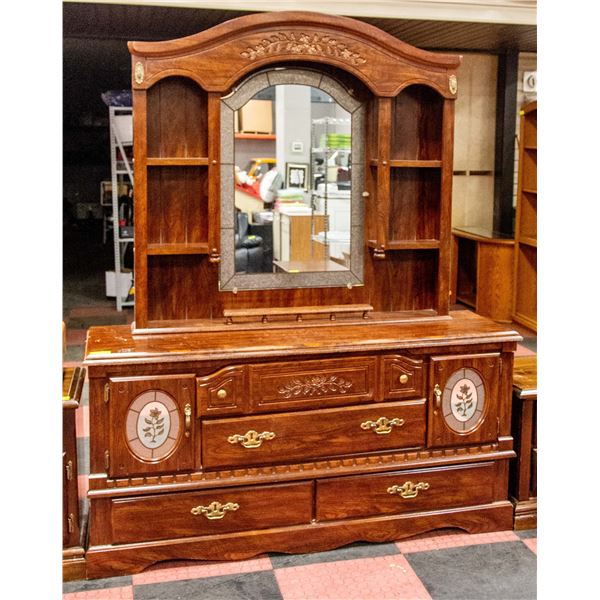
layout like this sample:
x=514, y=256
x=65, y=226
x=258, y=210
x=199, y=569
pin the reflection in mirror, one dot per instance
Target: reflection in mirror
x=292, y=190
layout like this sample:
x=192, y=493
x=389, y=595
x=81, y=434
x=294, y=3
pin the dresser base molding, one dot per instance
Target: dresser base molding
x=110, y=561
x=525, y=514
x=74, y=563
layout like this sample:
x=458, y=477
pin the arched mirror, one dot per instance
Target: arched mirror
x=291, y=183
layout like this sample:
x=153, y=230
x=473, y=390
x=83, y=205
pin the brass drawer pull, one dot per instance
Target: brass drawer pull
x=69, y=469
x=251, y=439
x=215, y=510
x=222, y=394
x=383, y=425
x=437, y=392
x=187, y=411
x=403, y=378
x=408, y=489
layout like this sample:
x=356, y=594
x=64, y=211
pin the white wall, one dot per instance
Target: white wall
x=474, y=141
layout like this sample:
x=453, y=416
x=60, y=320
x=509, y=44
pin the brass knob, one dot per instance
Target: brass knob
x=403, y=378
x=222, y=394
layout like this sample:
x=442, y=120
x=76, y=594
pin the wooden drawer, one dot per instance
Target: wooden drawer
x=417, y=490
x=167, y=516
x=312, y=383
x=290, y=437
x=403, y=377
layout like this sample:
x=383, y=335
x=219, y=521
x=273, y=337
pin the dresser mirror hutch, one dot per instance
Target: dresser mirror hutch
x=322, y=393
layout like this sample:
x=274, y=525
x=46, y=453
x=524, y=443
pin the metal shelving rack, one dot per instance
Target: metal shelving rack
x=121, y=137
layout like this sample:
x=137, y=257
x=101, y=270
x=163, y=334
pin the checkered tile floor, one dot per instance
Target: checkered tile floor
x=446, y=565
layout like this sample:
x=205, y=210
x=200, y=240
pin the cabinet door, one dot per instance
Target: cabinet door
x=152, y=425
x=464, y=399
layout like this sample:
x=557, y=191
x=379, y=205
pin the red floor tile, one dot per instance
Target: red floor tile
x=379, y=578
x=71, y=363
x=82, y=421
x=195, y=570
x=455, y=540
x=115, y=593
x=531, y=543
x=83, y=485
x=76, y=337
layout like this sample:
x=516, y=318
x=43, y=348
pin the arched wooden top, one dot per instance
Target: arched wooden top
x=218, y=57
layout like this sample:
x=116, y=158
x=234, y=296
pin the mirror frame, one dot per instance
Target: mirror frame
x=229, y=280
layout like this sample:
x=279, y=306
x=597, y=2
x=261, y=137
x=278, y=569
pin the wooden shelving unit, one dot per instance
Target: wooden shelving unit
x=525, y=273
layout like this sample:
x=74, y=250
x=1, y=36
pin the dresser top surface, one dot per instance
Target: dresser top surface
x=525, y=377
x=117, y=345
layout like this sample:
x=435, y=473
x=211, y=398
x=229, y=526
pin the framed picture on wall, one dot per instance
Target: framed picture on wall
x=296, y=175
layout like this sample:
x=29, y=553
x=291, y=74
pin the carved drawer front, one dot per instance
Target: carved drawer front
x=290, y=437
x=223, y=392
x=403, y=377
x=168, y=516
x=312, y=383
x=405, y=491
x=152, y=425
x=464, y=398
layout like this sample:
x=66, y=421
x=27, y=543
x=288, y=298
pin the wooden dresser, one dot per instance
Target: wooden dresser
x=355, y=406
x=73, y=545
x=523, y=473
x=294, y=443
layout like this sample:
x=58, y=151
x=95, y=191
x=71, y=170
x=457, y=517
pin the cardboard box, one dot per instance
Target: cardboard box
x=124, y=128
x=256, y=116
x=125, y=279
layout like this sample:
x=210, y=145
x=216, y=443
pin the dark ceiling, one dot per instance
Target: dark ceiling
x=135, y=22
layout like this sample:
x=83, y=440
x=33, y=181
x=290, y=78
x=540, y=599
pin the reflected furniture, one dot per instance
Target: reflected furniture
x=293, y=411
x=523, y=473
x=482, y=271
x=73, y=544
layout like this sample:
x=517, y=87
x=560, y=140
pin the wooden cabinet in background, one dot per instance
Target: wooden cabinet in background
x=73, y=547
x=482, y=271
x=525, y=286
x=523, y=471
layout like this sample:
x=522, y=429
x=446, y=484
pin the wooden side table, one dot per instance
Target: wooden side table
x=482, y=271
x=523, y=476
x=73, y=550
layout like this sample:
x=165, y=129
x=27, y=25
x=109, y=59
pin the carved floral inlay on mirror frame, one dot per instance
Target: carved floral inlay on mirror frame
x=328, y=257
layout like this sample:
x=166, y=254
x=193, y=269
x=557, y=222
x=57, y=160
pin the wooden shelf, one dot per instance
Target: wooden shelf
x=255, y=136
x=164, y=249
x=528, y=241
x=529, y=191
x=408, y=244
x=416, y=164
x=409, y=164
x=530, y=148
x=172, y=161
x=467, y=300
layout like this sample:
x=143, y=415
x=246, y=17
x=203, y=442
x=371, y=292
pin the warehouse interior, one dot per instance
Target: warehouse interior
x=90, y=39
